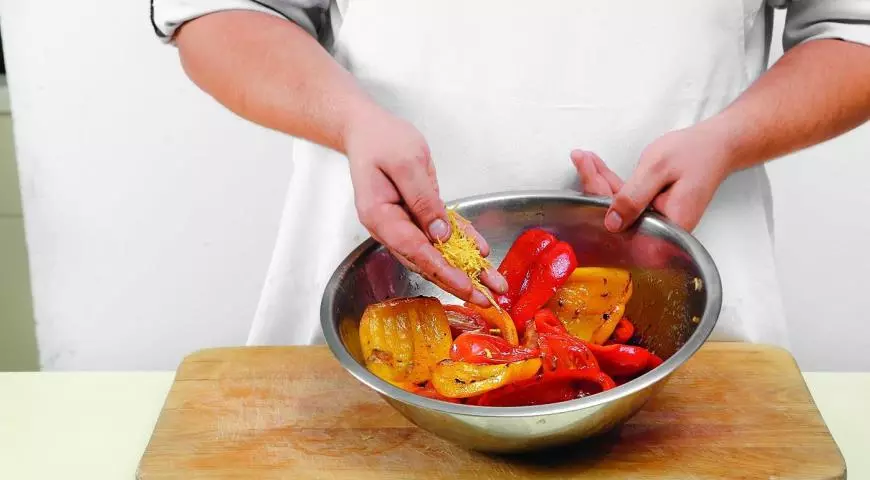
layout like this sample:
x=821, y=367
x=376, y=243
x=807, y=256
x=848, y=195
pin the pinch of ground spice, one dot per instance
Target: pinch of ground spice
x=462, y=251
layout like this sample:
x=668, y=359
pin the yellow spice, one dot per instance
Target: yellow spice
x=462, y=252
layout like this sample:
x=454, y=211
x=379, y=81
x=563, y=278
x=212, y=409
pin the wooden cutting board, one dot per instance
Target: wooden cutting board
x=734, y=411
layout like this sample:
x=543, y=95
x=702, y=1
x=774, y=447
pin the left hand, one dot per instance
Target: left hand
x=677, y=175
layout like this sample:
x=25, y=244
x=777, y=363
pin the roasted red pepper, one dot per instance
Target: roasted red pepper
x=530, y=336
x=549, y=272
x=479, y=348
x=621, y=360
x=623, y=332
x=654, y=361
x=463, y=319
x=546, y=322
x=561, y=352
x=590, y=380
x=549, y=388
x=519, y=259
x=535, y=391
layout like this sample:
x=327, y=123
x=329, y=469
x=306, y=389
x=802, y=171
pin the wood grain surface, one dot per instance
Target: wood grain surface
x=734, y=411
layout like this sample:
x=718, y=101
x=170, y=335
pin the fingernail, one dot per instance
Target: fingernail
x=439, y=230
x=478, y=298
x=613, y=221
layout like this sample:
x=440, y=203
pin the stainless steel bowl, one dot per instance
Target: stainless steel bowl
x=676, y=302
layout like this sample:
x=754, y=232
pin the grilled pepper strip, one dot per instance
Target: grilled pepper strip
x=621, y=360
x=429, y=391
x=546, y=322
x=562, y=352
x=519, y=259
x=623, y=332
x=597, y=379
x=481, y=348
x=499, y=319
x=549, y=388
x=654, y=361
x=535, y=391
x=549, y=272
x=463, y=380
x=463, y=319
x=404, y=339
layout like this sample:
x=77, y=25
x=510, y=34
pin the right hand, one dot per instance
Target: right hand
x=396, y=193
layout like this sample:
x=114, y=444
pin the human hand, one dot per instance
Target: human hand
x=677, y=175
x=397, y=200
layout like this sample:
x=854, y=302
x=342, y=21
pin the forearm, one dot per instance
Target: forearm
x=273, y=73
x=816, y=91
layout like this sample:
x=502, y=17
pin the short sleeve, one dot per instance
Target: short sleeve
x=167, y=16
x=817, y=19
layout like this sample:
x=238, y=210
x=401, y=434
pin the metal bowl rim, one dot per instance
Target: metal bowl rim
x=649, y=221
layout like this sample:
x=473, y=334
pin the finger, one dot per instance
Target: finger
x=476, y=297
x=402, y=236
x=494, y=280
x=591, y=180
x=658, y=203
x=406, y=263
x=389, y=223
x=414, y=179
x=648, y=180
x=601, y=169
x=481, y=242
x=413, y=268
x=489, y=277
x=684, y=203
x=612, y=179
x=479, y=299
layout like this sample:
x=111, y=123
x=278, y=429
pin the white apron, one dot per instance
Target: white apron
x=503, y=91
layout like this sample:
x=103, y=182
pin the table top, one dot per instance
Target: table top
x=96, y=425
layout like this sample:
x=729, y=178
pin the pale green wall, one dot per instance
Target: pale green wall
x=17, y=332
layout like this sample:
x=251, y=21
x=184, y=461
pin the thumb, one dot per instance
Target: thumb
x=683, y=204
x=636, y=195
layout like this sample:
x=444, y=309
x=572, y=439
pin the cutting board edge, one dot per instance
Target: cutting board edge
x=208, y=352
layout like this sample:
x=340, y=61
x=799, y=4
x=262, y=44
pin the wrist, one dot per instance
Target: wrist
x=361, y=111
x=726, y=139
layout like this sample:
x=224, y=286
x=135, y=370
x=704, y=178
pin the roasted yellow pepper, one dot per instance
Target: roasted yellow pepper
x=592, y=302
x=463, y=380
x=404, y=339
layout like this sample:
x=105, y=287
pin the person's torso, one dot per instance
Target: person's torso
x=503, y=92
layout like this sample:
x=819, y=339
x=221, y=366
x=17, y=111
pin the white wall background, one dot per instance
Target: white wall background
x=822, y=239
x=151, y=212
